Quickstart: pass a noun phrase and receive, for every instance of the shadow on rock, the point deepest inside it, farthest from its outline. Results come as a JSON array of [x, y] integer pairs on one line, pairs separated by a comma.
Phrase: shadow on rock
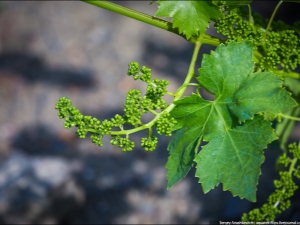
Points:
[[30, 187], [40, 140], [34, 69], [46, 189]]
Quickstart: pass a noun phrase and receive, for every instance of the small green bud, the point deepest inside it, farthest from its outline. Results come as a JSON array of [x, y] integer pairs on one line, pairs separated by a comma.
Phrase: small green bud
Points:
[[164, 124], [97, 140], [133, 69], [117, 120], [149, 143]]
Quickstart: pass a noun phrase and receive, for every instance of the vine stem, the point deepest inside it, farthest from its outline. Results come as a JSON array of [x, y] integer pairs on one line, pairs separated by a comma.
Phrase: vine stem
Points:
[[151, 20], [271, 19], [165, 25], [177, 95], [286, 74], [250, 15], [154, 112], [190, 84], [289, 117], [169, 93], [291, 169], [168, 26]]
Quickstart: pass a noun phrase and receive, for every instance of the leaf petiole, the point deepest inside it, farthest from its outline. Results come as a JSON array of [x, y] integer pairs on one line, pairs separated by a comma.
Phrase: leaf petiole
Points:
[[188, 84], [154, 112], [271, 19], [289, 117], [151, 20], [169, 93], [286, 74], [250, 15]]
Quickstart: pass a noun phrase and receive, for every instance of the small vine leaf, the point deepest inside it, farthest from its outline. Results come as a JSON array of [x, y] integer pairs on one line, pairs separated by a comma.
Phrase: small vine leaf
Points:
[[190, 17]]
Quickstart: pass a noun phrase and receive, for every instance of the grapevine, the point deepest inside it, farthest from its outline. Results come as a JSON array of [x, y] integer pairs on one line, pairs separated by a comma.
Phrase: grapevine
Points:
[[251, 73], [135, 106], [285, 187]]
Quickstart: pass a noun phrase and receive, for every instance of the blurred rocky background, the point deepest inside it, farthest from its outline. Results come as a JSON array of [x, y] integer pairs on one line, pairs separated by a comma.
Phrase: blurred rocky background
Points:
[[50, 49]]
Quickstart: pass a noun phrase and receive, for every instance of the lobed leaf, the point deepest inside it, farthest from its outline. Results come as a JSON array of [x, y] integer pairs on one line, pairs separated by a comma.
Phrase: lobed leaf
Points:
[[234, 152], [244, 93], [190, 17], [182, 154], [234, 158]]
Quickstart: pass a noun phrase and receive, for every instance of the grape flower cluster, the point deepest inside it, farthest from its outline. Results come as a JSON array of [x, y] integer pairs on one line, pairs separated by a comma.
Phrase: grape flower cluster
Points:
[[235, 27], [135, 106], [278, 48], [285, 187], [281, 51]]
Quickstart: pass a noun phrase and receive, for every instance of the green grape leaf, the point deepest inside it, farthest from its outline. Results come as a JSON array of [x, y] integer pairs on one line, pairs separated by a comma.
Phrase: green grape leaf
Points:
[[239, 95], [245, 93], [190, 17], [235, 158], [182, 154]]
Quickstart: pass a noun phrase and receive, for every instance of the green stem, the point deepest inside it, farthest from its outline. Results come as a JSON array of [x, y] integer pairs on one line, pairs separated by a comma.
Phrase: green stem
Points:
[[292, 166], [149, 132], [177, 95], [277, 202], [271, 19], [210, 40], [250, 15], [190, 73], [188, 84], [192, 84], [169, 93], [256, 56], [291, 74], [154, 112], [165, 25], [286, 74], [289, 117], [151, 20]]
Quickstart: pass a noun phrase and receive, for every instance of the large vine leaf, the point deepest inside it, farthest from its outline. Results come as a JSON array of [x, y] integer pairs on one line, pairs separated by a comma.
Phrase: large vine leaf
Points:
[[190, 17], [234, 152], [182, 154], [235, 158]]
